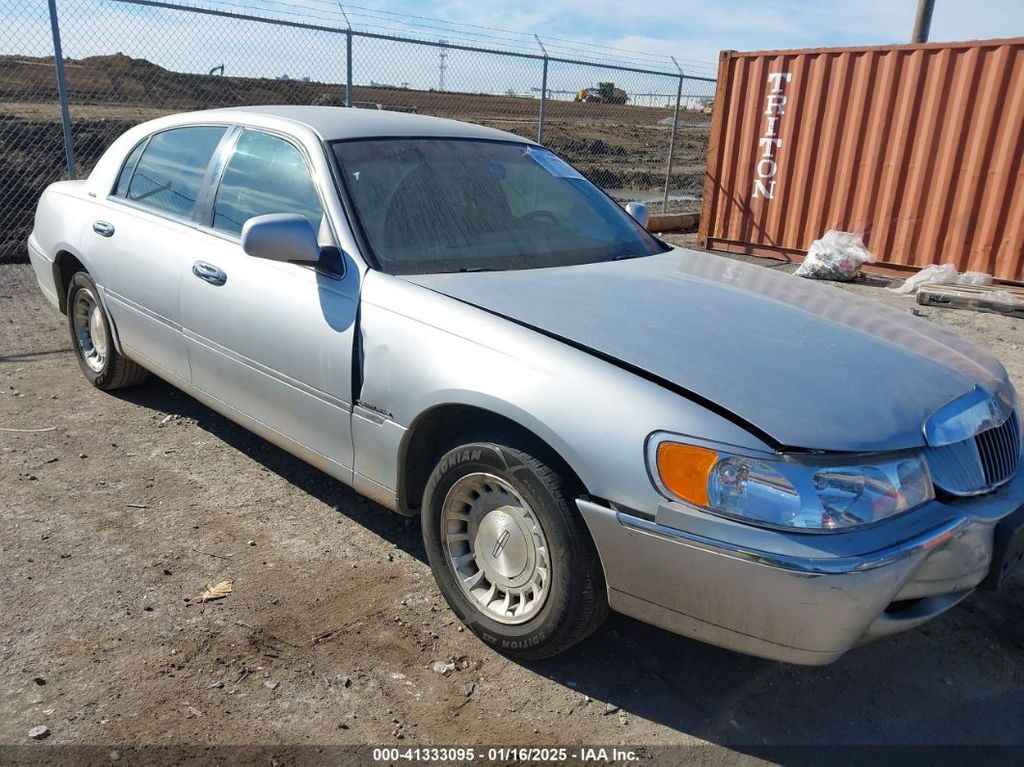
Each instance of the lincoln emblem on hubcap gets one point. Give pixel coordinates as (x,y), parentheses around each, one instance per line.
(502,540)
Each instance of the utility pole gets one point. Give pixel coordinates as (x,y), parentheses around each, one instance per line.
(923,21)
(442,66)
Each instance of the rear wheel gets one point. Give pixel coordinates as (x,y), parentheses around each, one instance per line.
(92,340)
(510,552)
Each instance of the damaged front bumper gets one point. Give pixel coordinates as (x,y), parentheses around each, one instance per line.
(803,598)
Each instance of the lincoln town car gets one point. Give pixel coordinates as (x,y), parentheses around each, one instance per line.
(456,323)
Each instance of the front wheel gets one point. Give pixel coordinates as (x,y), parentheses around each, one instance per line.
(510,552)
(92,340)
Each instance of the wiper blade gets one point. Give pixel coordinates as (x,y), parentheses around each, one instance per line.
(476,269)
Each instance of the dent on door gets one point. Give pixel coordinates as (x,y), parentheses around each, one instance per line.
(407,366)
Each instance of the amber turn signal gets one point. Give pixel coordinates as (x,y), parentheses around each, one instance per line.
(684,470)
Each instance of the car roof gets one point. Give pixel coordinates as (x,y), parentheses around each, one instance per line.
(307,122)
(339,123)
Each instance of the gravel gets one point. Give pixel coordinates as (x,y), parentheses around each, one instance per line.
(321,569)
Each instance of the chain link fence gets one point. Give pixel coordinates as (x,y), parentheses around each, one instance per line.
(127,61)
(31,147)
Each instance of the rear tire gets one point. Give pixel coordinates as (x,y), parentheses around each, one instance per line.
(510,552)
(101,363)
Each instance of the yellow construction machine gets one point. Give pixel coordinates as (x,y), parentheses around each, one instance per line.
(604,93)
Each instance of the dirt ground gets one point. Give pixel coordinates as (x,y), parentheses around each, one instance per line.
(115,519)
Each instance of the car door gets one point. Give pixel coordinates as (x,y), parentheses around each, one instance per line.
(143,234)
(271,340)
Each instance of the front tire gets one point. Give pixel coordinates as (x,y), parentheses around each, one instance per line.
(510,552)
(92,340)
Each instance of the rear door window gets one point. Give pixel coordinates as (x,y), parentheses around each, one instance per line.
(265,175)
(169,175)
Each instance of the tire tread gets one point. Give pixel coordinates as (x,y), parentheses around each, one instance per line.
(124,373)
(592,609)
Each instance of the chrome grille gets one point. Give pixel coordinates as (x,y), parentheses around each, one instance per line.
(978,464)
(999,449)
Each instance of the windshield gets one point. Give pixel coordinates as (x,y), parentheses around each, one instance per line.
(449,205)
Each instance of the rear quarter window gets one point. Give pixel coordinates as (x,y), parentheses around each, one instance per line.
(125,176)
(169,174)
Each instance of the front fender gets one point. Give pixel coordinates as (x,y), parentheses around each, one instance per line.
(422,350)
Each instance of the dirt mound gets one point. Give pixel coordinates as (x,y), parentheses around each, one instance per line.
(126,80)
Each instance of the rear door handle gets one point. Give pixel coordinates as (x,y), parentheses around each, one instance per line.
(209,272)
(103,229)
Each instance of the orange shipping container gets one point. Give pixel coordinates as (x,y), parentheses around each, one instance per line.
(919,147)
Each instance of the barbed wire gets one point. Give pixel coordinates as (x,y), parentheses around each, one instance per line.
(432,30)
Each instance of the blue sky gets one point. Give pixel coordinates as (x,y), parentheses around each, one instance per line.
(698,29)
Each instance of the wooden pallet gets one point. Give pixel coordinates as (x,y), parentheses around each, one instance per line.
(1000,299)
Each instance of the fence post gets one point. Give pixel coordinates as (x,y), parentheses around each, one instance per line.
(348,68)
(348,56)
(672,138)
(62,92)
(543,93)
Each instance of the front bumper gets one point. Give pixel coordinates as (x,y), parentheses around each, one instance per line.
(799,598)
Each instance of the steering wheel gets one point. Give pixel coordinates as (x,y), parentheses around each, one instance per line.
(541,215)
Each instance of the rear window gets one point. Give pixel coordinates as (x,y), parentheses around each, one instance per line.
(170,172)
(445,205)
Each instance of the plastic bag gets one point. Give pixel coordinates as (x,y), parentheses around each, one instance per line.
(1008,298)
(946,274)
(836,256)
(974,278)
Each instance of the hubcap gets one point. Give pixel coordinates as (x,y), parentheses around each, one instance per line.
(90,330)
(496,547)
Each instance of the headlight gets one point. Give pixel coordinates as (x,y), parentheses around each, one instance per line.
(800,492)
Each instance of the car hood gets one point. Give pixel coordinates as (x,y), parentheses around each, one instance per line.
(808,365)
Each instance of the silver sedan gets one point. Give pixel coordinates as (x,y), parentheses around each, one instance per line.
(456,323)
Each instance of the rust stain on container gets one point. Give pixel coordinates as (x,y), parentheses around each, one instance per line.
(918,147)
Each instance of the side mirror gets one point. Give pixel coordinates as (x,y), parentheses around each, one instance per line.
(639,211)
(280,237)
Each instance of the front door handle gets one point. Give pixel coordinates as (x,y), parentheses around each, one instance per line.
(103,229)
(209,272)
